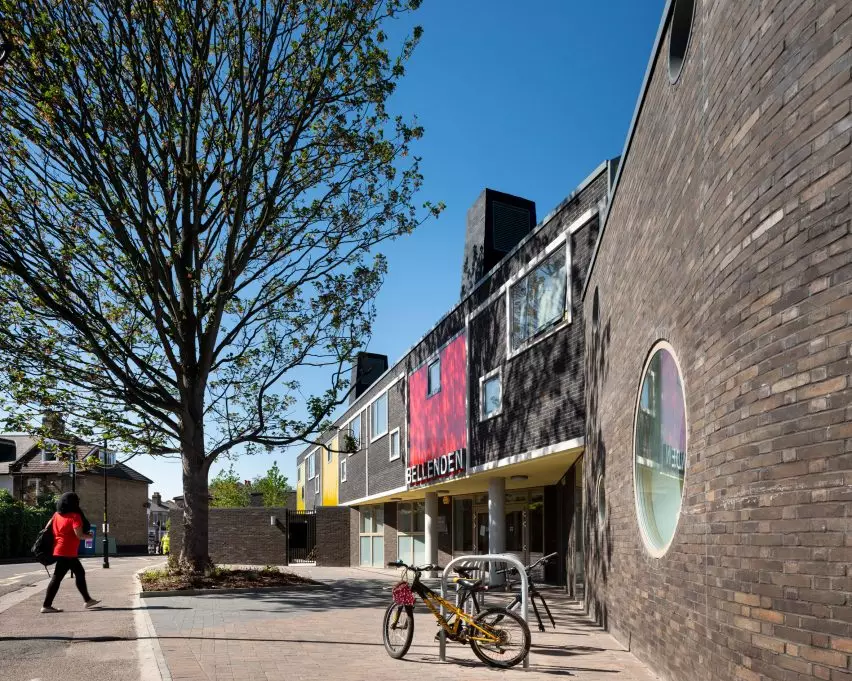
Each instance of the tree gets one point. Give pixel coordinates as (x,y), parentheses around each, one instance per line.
(192,194)
(228,491)
(273,486)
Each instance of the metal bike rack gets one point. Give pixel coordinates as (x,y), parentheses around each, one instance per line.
(486,558)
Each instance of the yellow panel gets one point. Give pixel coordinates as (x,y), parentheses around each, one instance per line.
(330,473)
(300,487)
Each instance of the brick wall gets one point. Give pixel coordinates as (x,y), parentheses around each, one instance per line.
(128,518)
(333,528)
(729,237)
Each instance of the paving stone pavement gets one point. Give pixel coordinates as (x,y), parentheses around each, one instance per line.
(77,644)
(335,633)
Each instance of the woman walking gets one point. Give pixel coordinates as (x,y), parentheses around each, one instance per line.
(67,532)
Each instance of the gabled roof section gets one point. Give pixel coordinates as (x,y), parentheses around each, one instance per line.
(655,52)
(29,460)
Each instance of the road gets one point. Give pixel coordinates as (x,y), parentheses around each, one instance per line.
(18,575)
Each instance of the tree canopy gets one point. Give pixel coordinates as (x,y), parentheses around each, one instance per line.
(192,194)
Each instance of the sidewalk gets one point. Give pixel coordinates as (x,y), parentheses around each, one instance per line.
(335,634)
(78,644)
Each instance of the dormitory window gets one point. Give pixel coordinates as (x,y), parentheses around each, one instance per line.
(434,378)
(355,430)
(394,445)
(491,395)
(379,417)
(538,300)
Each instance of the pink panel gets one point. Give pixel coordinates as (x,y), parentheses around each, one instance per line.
(439,423)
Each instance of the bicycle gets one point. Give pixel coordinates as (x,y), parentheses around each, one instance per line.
(494,631)
(470,587)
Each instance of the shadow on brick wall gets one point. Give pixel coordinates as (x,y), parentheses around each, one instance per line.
(597,532)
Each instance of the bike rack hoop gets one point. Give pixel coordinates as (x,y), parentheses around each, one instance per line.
(487,558)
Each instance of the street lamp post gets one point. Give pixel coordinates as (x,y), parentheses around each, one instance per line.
(106,517)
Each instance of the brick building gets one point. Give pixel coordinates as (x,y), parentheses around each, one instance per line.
(679,427)
(451,456)
(29,470)
(719,426)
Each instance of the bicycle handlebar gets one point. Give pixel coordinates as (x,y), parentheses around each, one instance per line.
(528,568)
(422,568)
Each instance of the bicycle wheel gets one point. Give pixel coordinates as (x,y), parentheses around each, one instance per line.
(512,633)
(398,630)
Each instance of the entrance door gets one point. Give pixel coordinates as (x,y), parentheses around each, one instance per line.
(481,530)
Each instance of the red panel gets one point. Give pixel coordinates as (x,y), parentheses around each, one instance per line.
(439,423)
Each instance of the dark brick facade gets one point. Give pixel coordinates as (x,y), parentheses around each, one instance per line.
(729,237)
(543,385)
(333,536)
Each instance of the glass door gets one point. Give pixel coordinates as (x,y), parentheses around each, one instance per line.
(372,536)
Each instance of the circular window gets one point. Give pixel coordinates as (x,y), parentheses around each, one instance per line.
(601,501)
(679,33)
(659,448)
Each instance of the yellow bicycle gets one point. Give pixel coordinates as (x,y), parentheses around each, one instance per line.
(498,637)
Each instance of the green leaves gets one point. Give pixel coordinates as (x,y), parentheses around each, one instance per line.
(193,199)
(228,491)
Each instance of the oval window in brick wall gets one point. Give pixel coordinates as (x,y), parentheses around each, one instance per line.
(659,448)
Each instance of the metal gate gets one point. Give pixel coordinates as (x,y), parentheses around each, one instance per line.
(301,536)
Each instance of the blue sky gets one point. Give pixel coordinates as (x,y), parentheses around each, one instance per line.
(527,102)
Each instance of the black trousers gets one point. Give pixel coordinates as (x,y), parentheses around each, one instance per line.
(63,566)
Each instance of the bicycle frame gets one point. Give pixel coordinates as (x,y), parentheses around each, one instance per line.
(435,602)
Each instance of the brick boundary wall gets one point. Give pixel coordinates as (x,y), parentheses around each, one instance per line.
(245,536)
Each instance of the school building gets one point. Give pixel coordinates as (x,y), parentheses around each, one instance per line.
(653,380)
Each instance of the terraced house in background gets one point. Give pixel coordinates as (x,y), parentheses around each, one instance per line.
(653,381)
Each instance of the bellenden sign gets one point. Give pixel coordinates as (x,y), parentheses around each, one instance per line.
(444,466)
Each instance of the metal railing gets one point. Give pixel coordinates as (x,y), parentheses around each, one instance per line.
(486,558)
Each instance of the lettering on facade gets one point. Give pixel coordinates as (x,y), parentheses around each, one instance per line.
(443,466)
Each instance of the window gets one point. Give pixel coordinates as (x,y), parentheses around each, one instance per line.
(312,466)
(317,485)
(379,417)
(434,378)
(601,495)
(107,457)
(680,32)
(343,469)
(539,299)
(328,454)
(411,542)
(302,490)
(659,449)
(490,395)
(355,431)
(394,444)
(372,536)
(300,472)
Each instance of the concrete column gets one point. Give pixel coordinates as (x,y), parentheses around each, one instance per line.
(431,527)
(497,515)
(496,521)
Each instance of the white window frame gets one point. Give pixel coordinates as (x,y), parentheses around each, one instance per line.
(343,461)
(328,454)
(347,430)
(37,485)
(429,364)
(370,406)
(398,456)
(521,275)
(498,373)
(313,464)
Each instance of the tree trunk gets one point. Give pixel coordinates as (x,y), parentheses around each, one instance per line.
(194,553)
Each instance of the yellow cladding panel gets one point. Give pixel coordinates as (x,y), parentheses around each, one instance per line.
(300,487)
(330,473)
